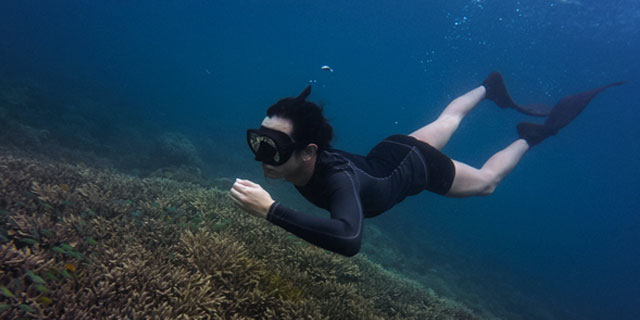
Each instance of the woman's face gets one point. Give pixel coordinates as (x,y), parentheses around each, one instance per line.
(294,164)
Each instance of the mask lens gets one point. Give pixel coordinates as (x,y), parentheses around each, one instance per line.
(254,141)
(264,148)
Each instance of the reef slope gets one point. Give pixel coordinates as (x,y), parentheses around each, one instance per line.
(84,243)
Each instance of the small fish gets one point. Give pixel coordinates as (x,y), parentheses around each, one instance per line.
(75,254)
(219,226)
(51,276)
(27,308)
(45,300)
(70,267)
(42,289)
(28,241)
(136,213)
(172,209)
(46,233)
(326,68)
(6,292)
(35,278)
(58,249)
(92,241)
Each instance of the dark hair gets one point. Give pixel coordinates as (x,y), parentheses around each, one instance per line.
(309,124)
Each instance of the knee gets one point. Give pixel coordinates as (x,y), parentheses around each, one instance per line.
(449,121)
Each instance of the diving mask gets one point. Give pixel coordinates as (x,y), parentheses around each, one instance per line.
(271,146)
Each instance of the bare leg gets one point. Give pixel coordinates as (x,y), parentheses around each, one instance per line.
(470,181)
(438,132)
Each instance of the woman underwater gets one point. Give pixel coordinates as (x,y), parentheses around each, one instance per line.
(293,143)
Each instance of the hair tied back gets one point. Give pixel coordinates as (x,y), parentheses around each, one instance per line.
(304,94)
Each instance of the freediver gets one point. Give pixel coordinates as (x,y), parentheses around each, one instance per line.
(294,144)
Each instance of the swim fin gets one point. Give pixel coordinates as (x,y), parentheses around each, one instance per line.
(570,106)
(561,115)
(497,92)
(533,133)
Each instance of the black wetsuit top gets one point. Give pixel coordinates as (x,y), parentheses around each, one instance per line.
(353,187)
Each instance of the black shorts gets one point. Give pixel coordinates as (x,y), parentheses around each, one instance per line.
(439,168)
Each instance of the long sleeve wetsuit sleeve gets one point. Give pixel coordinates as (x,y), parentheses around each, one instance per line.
(342,232)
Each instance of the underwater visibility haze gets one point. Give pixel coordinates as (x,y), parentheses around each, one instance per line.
(122,128)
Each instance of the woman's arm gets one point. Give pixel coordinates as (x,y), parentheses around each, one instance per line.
(342,232)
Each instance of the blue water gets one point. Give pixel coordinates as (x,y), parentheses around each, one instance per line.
(563,229)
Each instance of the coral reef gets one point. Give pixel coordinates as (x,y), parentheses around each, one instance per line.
(82,243)
(86,125)
(27,137)
(181,173)
(175,149)
(17,96)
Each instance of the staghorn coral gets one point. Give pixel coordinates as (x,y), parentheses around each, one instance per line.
(83,243)
(25,257)
(181,173)
(325,278)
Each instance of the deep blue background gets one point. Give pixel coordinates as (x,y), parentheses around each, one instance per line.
(566,220)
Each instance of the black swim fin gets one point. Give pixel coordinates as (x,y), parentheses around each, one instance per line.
(534,109)
(570,106)
(533,133)
(561,115)
(497,92)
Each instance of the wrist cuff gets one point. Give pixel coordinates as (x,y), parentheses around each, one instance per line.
(271,212)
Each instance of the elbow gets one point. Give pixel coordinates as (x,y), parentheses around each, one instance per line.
(351,253)
(350,244)
(350,249)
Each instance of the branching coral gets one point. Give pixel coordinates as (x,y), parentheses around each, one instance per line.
(81,243)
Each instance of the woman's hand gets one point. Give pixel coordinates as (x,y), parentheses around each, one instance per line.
(251,197)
